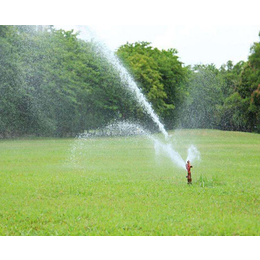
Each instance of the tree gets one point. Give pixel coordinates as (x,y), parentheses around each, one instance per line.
(12,94)
(249,87)
(232,113)
(159,74)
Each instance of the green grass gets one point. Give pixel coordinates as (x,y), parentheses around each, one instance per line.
(117,186)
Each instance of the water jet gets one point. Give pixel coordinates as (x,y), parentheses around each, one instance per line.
(126,129)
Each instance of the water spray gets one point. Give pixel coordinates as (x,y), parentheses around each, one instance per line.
(127,129)
(87,34)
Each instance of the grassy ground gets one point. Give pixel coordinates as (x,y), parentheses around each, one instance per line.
(117,186)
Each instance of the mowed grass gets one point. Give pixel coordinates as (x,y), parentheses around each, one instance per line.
(119,186)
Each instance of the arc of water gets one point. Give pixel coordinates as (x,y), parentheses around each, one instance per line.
(125,77)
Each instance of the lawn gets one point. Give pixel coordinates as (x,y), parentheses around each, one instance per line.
(119,186)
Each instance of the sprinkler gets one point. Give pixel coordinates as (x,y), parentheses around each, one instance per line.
(188,167)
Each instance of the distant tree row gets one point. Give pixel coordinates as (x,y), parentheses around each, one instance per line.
(227,98)
(54,84)
(202,96)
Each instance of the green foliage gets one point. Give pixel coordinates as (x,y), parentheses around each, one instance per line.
(11,92)
(249,88)
(159,74)
(233,114)
(63,84)
(225,98)
(54,84)
(205,95)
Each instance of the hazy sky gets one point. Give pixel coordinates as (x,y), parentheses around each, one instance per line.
(195,44)
(211,31)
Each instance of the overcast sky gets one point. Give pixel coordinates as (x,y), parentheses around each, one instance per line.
(195,44)
(211,31)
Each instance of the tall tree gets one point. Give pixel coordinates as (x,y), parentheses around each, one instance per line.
(159,74)
(250,86)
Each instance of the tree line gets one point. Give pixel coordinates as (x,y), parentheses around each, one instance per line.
(54,84)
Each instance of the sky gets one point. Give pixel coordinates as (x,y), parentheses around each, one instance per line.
(195,44)
(201,31)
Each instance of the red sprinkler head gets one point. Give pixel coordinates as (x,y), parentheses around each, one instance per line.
(188,167)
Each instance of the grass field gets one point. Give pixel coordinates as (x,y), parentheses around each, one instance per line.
(117,186)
